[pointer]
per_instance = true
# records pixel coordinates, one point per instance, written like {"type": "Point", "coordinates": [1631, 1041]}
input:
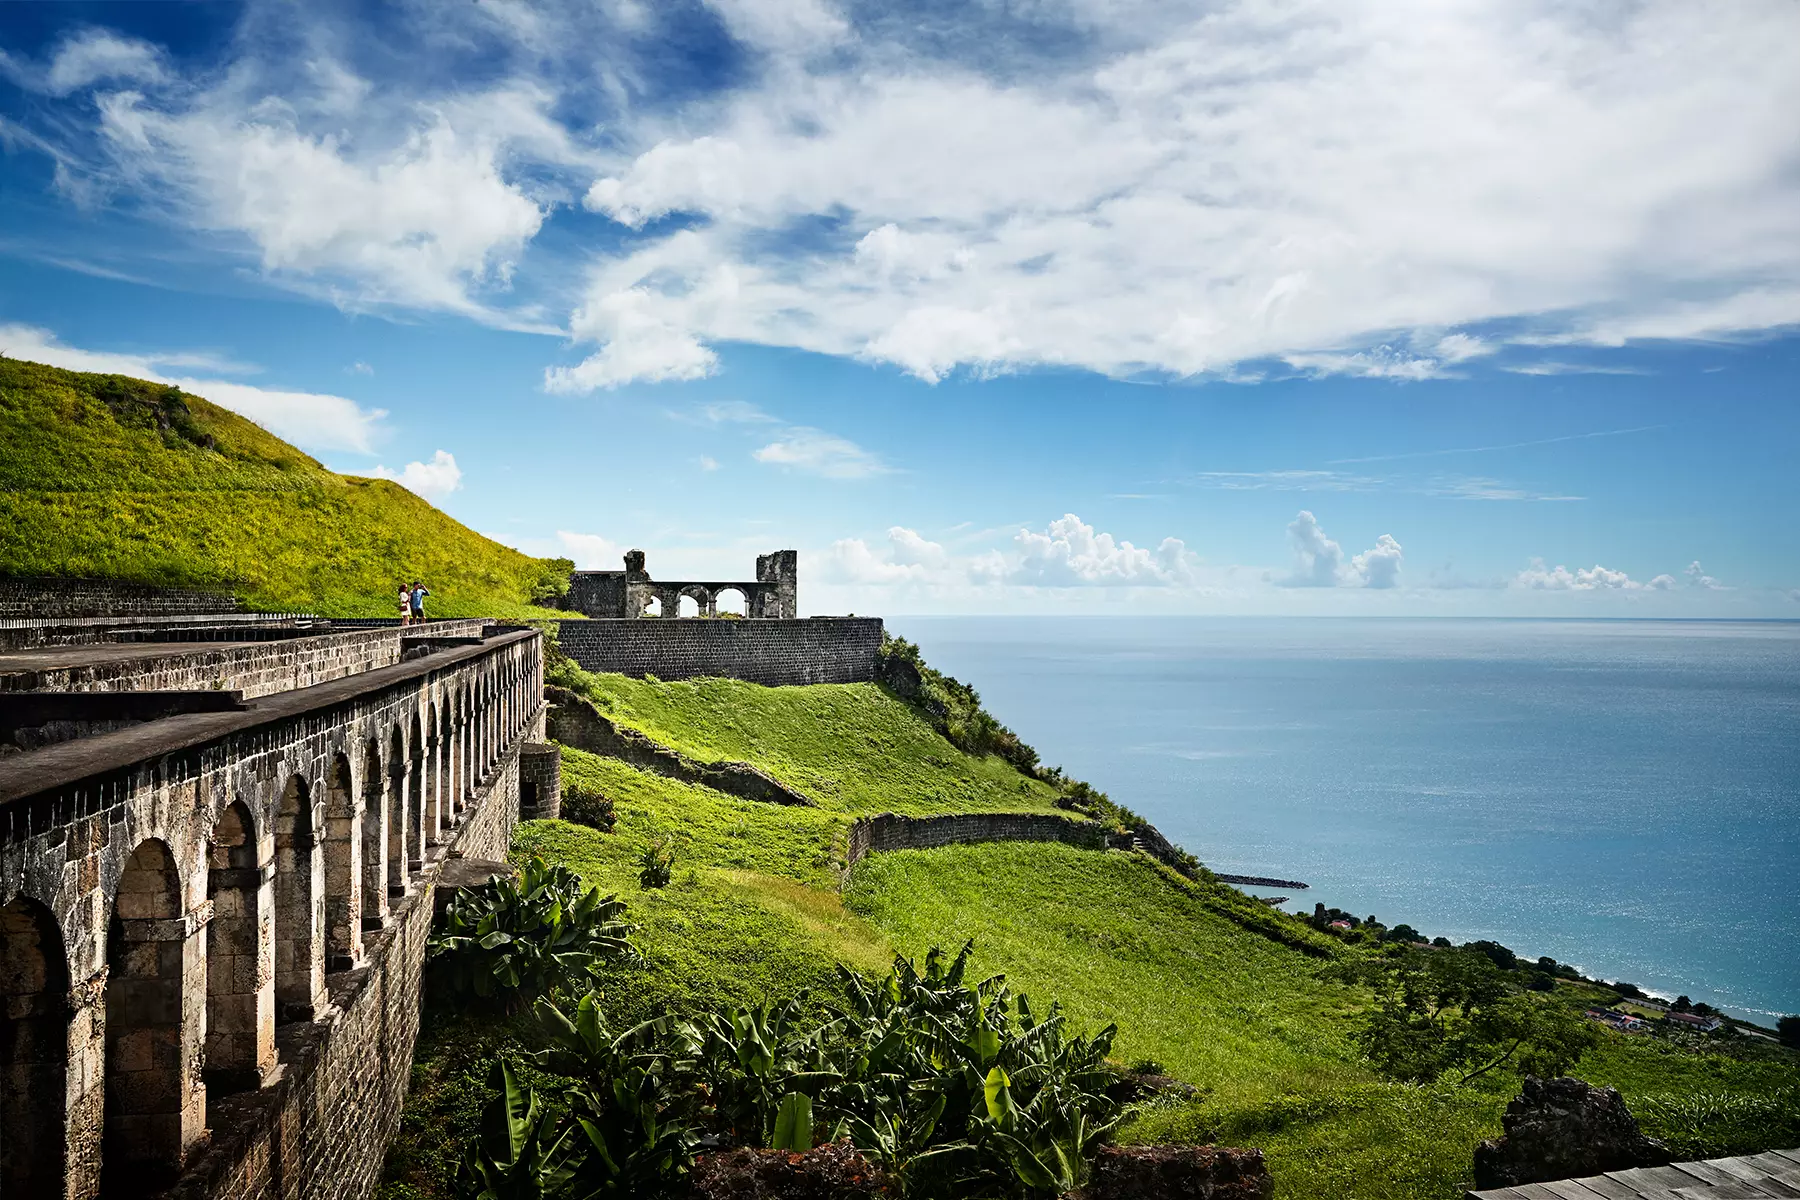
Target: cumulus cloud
{"type": "Point", "coordinates": [1538, 577]}
{"type": "Point", "coordinates": [311, 420]}
{"type": "Point", "coordinates": [591, 551]}
{"type": "Point", "coordinates": [1319, 561]}
{"type": "Point", "coordinates": [1067, 553]}
{"type": "Point", "coordinates": [1697, 577]}
{"type": "Point", "coordinates": [433, 480]}
{"type": "Point", "coordinates": [819, 453]}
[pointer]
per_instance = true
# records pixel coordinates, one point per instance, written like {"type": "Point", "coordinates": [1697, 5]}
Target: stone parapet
{"type": "Point", "coordinates": [806, 650]}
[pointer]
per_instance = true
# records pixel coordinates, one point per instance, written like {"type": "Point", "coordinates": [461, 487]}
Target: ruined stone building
{"type": "Point", "coordinates": [220, 837]}
{"type": "Point", "coordinates": [632, 593]}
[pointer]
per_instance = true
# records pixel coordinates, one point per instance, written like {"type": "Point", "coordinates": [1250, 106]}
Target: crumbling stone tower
{"type": "Point", "coordinates": [782, 568]}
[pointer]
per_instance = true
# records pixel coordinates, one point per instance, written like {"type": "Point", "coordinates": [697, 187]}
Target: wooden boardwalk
{"type": "Point", "coordinates": [1753, 1177]}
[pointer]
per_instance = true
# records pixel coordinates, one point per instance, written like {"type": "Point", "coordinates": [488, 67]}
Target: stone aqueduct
{"type": "Point", "coordinates": [213, 907]}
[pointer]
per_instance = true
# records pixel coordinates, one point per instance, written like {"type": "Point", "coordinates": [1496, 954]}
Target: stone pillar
{"type": "Point", "coordinates": [375, 849]}
{"type": "Point", "coordinates": [86, 1080]}
{"type": "Point", "coordinates": [299, 925]}
{"type": "Point", "coordinates": [434, 790]}
{"type": "Point", "coordinates": [343, 879]}
{"type": "Point", "coordinates": [398, 856]}
{"type": "Point", "coordinates": [416, 816]}
{"type": "Point", "coordinates": [156, 1024]}
{"type": "Point", "coordinates": [240, 977]}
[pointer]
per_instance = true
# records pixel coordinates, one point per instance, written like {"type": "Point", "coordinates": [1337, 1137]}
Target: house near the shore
{"type": "Point", "coordinates": [1622, 1021]}
{"type": "Point", "coordinates": [1695, 1021]}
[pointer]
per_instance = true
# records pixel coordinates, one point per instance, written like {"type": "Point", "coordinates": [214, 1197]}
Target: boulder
{"type": "Point", "coordinates": [1564, 1129]}
{"type": "Point", "coordinates": [1187, 1172]}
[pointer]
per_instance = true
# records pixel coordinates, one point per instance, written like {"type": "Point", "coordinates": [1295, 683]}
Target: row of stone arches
{"type": "Point", "coordinates": [695, 600]}
{"type": "Point", "coordinates": [105, 1078]}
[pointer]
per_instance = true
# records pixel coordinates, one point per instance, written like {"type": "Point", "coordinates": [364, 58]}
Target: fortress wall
{"type": "Point", "coordinates": [891, 831]}
{"type": "Point", "coordinates": [41, 598]}
{"type": "Point", "coordinates": [257, 669]}
{"type": "Point", "coordinates": [773, 652]}
{"type": "Point", "coordinates": [322, 1130]}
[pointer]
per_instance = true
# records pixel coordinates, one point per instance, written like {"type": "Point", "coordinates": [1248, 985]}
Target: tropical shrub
{"type": "Point", "coordinates": [511, 941]}
{"type": "Point", "coordinates": [656, 865]}
{"type": "Point", "coordinates": [584, 806]}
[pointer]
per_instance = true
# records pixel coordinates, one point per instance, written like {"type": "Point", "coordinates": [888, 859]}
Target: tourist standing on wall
{"type": "Point", "coordinates": [419, 592]}
{"type": "Point", "coordinates": [405, 605]}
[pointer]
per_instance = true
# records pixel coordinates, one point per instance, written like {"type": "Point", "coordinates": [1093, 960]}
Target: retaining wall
{"type": "Point", "coordinates": [892, 831]}
{"type": "Point", "coordinates": [773, 652]}
{"type": "Point", "coordinates": [98, 598]}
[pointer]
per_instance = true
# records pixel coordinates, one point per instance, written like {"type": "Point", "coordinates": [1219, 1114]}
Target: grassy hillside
{"type": "Point", "coordinates": [106, 477]}
{"type": "Point", "coordinates": [760, 908]}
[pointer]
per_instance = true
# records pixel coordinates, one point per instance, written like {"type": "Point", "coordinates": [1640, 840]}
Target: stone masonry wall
{"type": "Point", "coordinates": [540, 782]}
{"type": "Point", "coordinates": [89, 598]}
{"type": "Point", "coordinates": [891, 831]}
{"type": "Point", "coordinates": [773, 652]}
{"type": "Point", "coordinates": [256, 669]}
{"type": "Point", "coordinates": [321, 1131]}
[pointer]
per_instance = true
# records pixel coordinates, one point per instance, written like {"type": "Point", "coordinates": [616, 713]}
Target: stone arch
{"type": "Point", "coordinates": [415, 795]}
{"type": "Point", "coordinates": [650, 606]}
{"type": "Point", "coordinates": [435, 773]}
{"type": "Point", "coordinates": [398, 801]}
{"type": "Point", "coordinates": [299, 907]}
{"type": "Point", "coordinates": [374, 838]}
{"type": "Point", "coordinates": [34, 1051]}
{"type": "Point", "coordinates": [155, 1107]}
{"type": "Point", "coordinates": [738, 605]}
{"type": "Point", "coordinates": [240, 993]}
{"type": "Point", "coordinates": [693, 601]}
{"type": "Point", "coordinates": [343, 868]}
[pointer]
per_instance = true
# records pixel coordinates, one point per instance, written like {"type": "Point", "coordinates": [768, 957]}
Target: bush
{"type": "Point", "coordinates": [584, 806]}
{"type": "Point", "coordinates": [511, 942]}
{"type": "Point", "coordinates": [1789, 1030]}
{"type": "Point", "coordinates": [1720, 1124]}
{"type": "Point", "coordinates": [656, 865]}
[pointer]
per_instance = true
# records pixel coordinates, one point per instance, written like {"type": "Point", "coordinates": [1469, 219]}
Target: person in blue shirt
{"type": "Point", "coordinates": [419, 592]}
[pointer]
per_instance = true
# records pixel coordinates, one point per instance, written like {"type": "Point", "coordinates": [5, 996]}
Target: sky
{"type": "Point", "coordinates": [1061, 306]}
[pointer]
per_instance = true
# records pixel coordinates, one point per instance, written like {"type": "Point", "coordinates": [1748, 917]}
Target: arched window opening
{"type": "Point", "coordinates": [240, 998]}
{"type": "Point", "coordinates": [400, 798]}
{"type": "Point", "coordinates": [652, 607]}
{"type": "Point", "coordinates": [155, 1108]}
{"type": "Point", "coordinates": [343, 870]}
{"type": "Point", "coordinates": [415, 801]}
{"type": "Point", "coordinates": [34, 1051]}
{"type": "Point", "coordinates": [730, 602]}
{"type": "Point", "coordinates": [374, 839]}
{"type": "Point", "coordinates": [299, 908]}
{"type": "Point", "coordinates": [689, 606]}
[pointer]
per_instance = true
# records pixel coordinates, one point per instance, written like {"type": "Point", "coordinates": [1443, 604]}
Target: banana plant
{"type": "Point", "coordinates": [522, 1152]}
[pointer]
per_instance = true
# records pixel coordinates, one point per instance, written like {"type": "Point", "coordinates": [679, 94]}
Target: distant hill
{"type": "Point", "coordinates": [108, 477]}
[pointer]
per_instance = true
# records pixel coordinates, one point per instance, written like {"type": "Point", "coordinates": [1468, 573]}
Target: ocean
{"type": "Point", "coordinates": [1621, 795]}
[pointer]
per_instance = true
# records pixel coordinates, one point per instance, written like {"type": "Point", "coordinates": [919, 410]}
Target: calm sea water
{"type": "Point", "coordinates": [1622, 795]}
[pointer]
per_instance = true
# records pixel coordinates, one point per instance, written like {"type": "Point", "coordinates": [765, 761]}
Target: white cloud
{"type": "Point", "coordinates": [434, 480]}
{"type": "Point", "coordinates": [708, 463]}
{"type": "Point", "coordinates": [590, 551]}
{"type": "Point", "coordinates": [1379, 566]}
{"type": "Point", "coordinates": [1068, 553]}
{"type": "Point", "coordinates": [819, 453]}
{"type": "Point", "coordinates": [1538, 577]}
{"type": "Point", "coordinates": [1248, 181]}
{"type": "Point", "coordinates": [1699, 578]}
{"type": "Point", "coordinates": [85, 58]}
{"type": "Point", "coordinates": [360, 368]}
{"type": "Point", "coordinates": [311, 420]}
{"type": "Point", "coordinates": [1319, 561]}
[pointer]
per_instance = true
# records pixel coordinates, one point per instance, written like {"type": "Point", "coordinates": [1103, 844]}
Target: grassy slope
{"type": "Point", "coordinates": [754, 913]}
{"type": "Point", "coordinates": [851, 747]}
{"type": "Point", "coordinates": [106, 477]}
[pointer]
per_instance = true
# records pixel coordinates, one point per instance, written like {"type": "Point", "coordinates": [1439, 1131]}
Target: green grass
{"type": "Point", "coordinates": [105, 477]}
{"type": "Point", "coordinates": [850, 747]}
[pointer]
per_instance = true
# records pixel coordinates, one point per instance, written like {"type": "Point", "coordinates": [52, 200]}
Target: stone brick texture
{"type": "Point", "coordinates": [429, 749]}
{"type": "Point", "coordinates": [95, 598]}
{"type": "Point", "coordinates": [892, 831]}
{"type": "Point", "coordinates": [259, 668]}
{"type": "Point", "coordinates": [540, 782]}
{"type": "Point", "coordinates": [804, 650]}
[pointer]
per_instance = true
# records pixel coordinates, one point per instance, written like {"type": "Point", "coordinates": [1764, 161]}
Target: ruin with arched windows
{"type": "Point", "coordinates": [772, 596]}
{"type": "Point", "coordinates": [219, 847]}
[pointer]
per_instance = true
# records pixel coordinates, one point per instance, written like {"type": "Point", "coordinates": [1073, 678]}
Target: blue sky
{"type": "Point", "coordinates": [1063, 306]}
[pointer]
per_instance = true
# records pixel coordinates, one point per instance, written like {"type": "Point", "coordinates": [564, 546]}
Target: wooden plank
{"type": "Point", "coordinates": [1723, 1191]}
{"type": "Point", "coordinates": [1534, 1191]}
{"type": "Point", "coordinates": [1609, 1188]}
{"type": "Point", "coordinates": [1574, 1189]}
{"type": "Point", "coordinates": [1792, 1156]}
{"type": "Point", "coordinates": [1771, 1162]}
{"type": "Point", "coordinates": [1709, 1175]}
{"type": "Point", "coordinates": [1649, 1179]}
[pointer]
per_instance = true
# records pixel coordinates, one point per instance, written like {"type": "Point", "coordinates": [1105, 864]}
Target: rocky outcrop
{"type": "Point", "coordinates": [1564, 1129]}
{"type": "Point", "coordinates": [574, 721]}
{"type": "Point", "coordinates": [835, 1171]}
{"type": "Point", "coordinates": [1187, 1172]}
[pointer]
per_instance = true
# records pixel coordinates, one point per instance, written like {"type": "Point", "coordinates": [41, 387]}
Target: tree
{"type": "Point", "coordinates": [1456, 1013]}
{"type": "Point", "coordinates": [1403, 933]}
{"type": "Point", "coordinates": [1789, 1029]}
{"type": "Point", "coordinates": [1495, 953]}
{"type": "Point", "coordinates": [1682, 1004]}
